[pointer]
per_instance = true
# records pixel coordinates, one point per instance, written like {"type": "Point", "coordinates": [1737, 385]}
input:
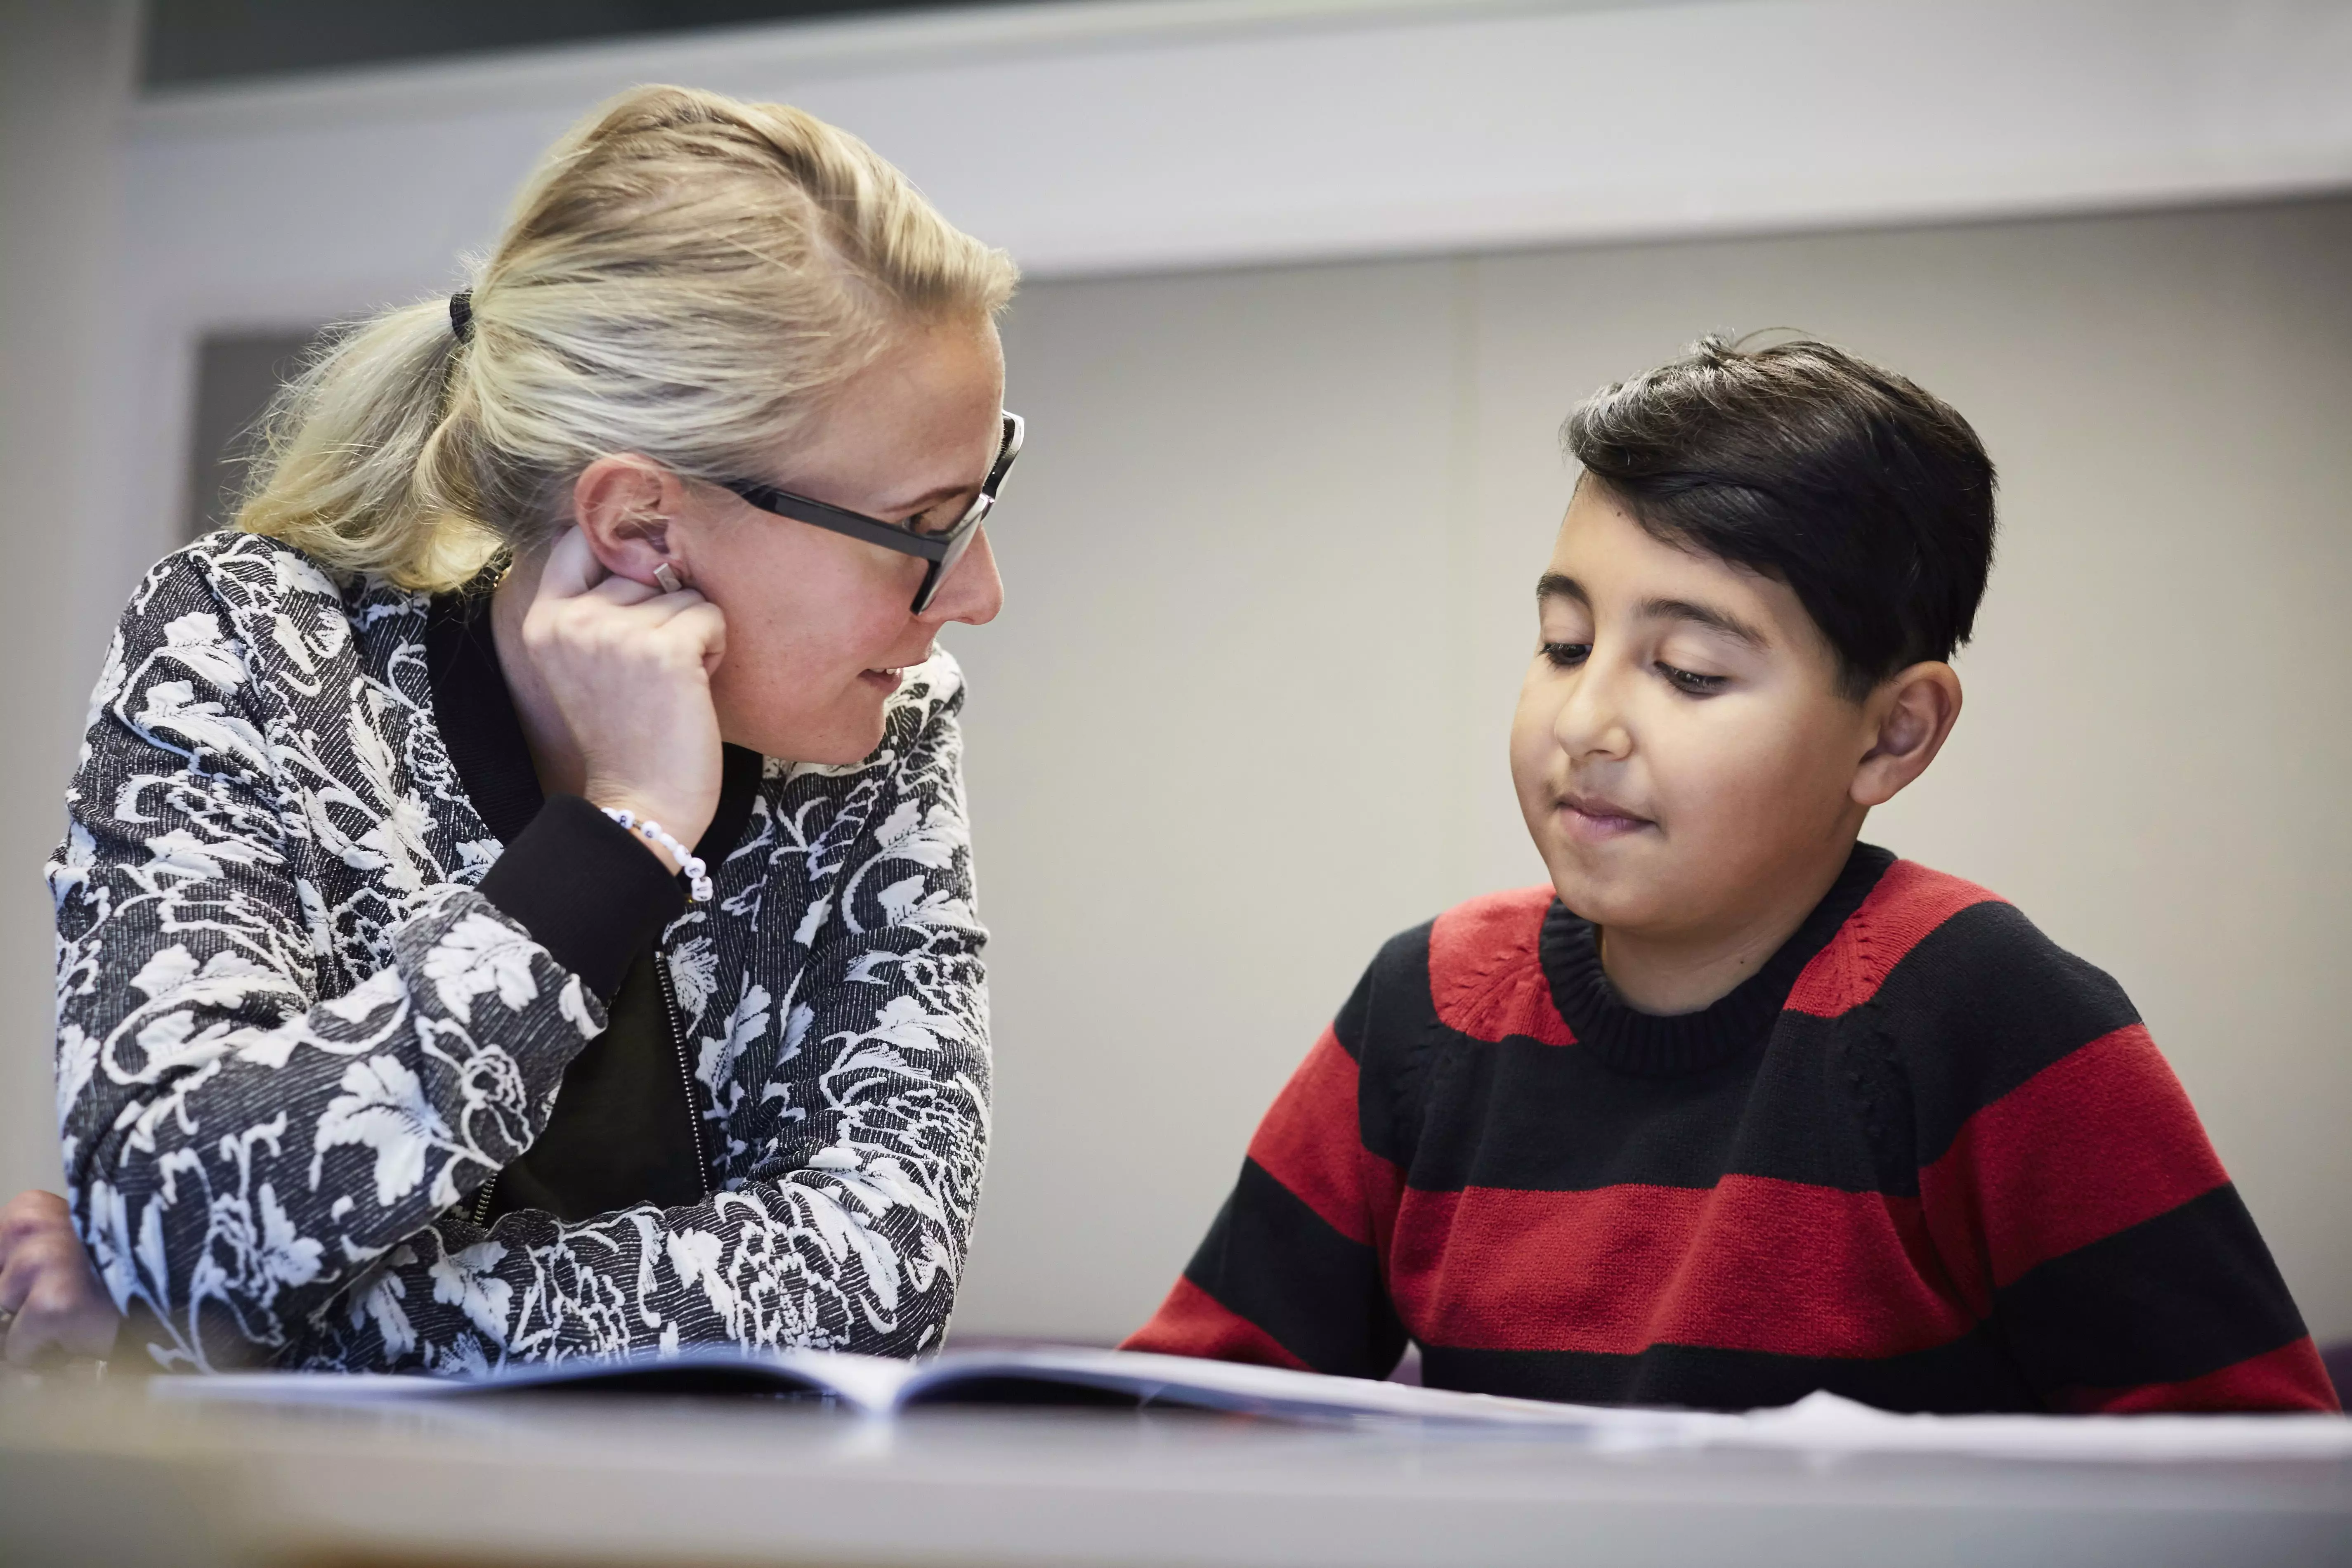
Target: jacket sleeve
{"type": "Point", "coordinates": [1290, 1272]}
{"type": "Point", "coordinates": [842, 1224]}
{"type": "Point", "coordinates": [2081, 1213]}
{"type": "Point", "coordinates": [245, 1133]}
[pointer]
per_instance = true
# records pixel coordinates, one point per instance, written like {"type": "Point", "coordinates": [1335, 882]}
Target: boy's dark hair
{"type": "Point", "coordinates": [1869, 498]}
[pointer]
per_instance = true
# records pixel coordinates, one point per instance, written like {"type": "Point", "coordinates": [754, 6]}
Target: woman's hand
{"type": "Point", "coordinates": [59, 1307]}
{"type": "Point", "coordinates": [629, 668]}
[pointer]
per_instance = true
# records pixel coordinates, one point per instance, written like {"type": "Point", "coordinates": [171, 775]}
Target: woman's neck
{"type": "Point", "coordinates": [553, 754]}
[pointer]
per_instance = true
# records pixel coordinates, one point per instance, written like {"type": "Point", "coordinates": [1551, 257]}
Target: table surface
{"type": "Point", "coordinates": [104, 1475]}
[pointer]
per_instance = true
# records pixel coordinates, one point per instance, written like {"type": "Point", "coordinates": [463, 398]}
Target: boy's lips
{"type": "Point", "coordinates": [1594, 819]}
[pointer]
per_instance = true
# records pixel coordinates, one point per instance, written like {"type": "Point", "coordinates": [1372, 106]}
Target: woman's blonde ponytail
{"type": "Point", "coordinates": [685, 276]}
{"type": "Point", "coordinates": [343, 473]}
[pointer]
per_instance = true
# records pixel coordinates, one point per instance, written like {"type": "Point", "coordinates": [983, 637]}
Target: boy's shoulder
{"type": "Point", "coordinates": [1964, 929]}
{"type": "Point", "coordinates": [1923, 937]}
{"type": "Point", "coordinates": [1959, 986]}
{"type": "Point", "coordinates": [1477, 969]}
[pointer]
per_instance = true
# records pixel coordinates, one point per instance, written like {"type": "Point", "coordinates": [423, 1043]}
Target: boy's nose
{"type": "Point", "coordinates": [1591, 720]}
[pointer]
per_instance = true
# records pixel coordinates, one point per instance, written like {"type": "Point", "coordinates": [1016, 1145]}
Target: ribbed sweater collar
{"type": "Point", "coordinates": [1662, 1047]}
{"type": "Point", "coordinates": [476, 711]}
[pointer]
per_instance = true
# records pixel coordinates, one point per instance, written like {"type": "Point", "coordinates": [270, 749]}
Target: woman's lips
{"type": "Point", "coordinates": [1599, 821]}
{"type": "Point", "coordinates": [888, 677]}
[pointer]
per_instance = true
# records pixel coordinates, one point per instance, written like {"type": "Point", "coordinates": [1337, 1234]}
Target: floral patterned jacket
{"type": "Point", "coordinates": [293, 1037]}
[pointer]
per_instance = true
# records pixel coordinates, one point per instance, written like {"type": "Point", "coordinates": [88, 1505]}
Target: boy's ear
{"type": "Point", "coordinates": [1909, 715]}
{"type": "Point", "coordinates": [623, 504]}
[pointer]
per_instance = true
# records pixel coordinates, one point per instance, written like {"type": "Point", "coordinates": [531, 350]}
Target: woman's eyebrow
{"type": "Point", "coordinates": [1706, 615]}
{"type": "Point", "coordinates": [931, 498]}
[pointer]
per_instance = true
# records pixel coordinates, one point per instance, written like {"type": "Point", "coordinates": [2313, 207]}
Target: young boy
{"type": "Point", "coordinates": [1739, 1108]}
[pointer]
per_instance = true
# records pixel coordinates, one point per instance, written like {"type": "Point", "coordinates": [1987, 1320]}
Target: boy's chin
{"type": "Point", "coordinates": [1606, 895]}
{"type": "Point", "coordinates": [1611, 914]}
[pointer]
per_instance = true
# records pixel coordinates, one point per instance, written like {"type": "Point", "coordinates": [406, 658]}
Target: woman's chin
{"type": "Point", "coordinates": [843, 740]}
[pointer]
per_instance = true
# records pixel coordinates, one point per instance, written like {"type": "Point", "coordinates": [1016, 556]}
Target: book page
{"type": "Point", "coordinates": [869, 1385]}
{"type": "Point", "coordinates": [1183, 1382]}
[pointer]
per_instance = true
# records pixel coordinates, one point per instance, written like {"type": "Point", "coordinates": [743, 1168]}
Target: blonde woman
{"type": "Point", "coordinates": [517, 901]}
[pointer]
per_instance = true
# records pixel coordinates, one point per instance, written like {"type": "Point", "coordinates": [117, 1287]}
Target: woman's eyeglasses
{"type": "Point", "coordinates": [941, 547]}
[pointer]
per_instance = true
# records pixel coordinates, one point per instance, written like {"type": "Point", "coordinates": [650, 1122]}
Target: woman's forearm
{"type": "Point", "coordinates": [237, 1174]}
{"type": "Point", "coordinates": [245, 1131]}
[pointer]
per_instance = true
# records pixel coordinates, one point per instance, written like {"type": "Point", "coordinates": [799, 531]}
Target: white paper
{"type": "Point", "coordinates": [1825, 1423]}
{"type": "Point", "coordinates": [1819, 1422]}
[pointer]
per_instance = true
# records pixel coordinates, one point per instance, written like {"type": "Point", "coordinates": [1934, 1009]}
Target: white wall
{"type": "Point", "coordinates": [1269, 562]}
{"type": "Point", "coordinates": [1140, 135]}
{"type": "Point", "coordinates": [65, 73]}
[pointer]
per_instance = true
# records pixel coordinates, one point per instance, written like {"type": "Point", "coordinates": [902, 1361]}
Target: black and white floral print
{"type": "Point", "coordinates": [292, 1038]}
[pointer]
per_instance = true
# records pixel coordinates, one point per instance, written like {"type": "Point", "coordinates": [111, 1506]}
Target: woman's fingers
{"type": "Point", "coordinates": [623, 590]}
{"type": "Point", "coordinates": [25, 1220]}
{"type": "Point", "coordinates": [667, 607]}
{"type": "Point", "coordinates": [45, 1281]}
{"type": "Point", "coordinates": [571, 567]}
{"type": "Point", "coordinates": [63, 1312]}
{"type": "Point", "coordinates": [706, 626]}
{"type": "Point", "coordinates": [27, 1215]}
{"type": "Point", "coordinates": [574, 572]}
{"type": "Point", "coordinates": [628, 667]}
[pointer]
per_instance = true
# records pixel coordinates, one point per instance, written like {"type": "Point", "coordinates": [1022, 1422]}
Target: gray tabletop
{"type": "Point", "coordinates": [106, 1476]}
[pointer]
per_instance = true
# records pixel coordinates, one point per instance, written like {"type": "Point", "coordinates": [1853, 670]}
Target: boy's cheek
{"type": "Point", "coordinates": [1534, 752]}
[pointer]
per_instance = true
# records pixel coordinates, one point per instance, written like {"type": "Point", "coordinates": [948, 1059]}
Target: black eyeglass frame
{"type": "Point", "coordinates": [943, 549]}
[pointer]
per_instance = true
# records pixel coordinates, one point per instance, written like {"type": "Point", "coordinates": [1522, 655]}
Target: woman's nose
{"type": "Point", "coordinates": [973, 593]}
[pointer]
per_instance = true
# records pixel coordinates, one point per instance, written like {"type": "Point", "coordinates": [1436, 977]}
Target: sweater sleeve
{"type": "Point", "coordinates": [585, 889]}
{"type": "Point", "coordinates": [2081, 1210]}
{"type": "Point", "coordinates": [1289, 1274]}
{"type": "Point", "coordinates": [237, 1149]}
{"type": "Point", "coordinates": [845, 1226]}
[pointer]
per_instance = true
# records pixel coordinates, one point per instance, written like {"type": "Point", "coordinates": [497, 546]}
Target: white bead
{"type": "Point", "coordinates": [690, 865]}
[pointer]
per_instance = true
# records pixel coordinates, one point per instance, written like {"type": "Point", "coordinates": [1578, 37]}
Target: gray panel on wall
{"type": "Point", "coordinates": [235, 375]}
{"type": "Point", "coordinates": [1205, 756]}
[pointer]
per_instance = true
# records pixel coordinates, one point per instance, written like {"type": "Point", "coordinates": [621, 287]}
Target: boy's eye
{"type": "Point", "coordinates": [1567, 654]}
{"type": "Point", "coordinates": [1691, 683]}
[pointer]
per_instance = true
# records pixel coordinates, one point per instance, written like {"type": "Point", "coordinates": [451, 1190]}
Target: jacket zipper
{"type": "Point", "coordinates": [684, 1071]}
{"type": "Point", "coordinates": [481, 1209]}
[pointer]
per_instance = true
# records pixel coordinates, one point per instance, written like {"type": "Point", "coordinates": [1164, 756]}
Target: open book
{"type": "Point", "coordinates": [872, 1386]}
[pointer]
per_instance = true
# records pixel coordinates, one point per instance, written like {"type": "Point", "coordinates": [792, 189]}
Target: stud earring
{"type": "Point", "coordinates": [667, 576]}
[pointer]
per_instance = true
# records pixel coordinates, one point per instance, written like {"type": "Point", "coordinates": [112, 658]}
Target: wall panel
{"type": "Point", "coordinates": [1204, 773]}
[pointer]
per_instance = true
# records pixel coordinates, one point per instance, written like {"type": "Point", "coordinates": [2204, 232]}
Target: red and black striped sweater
{"type": "Point", "coordinates": [1924, 1158]}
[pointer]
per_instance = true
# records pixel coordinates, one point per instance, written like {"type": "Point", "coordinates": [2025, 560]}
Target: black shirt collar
{"type": "Point", "coordinates": [476, 711]}
{"type": "Point", "coordinates": [1654, 1046]}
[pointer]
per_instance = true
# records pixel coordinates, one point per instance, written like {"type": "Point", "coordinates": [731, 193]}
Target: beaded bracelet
{"type": "Point", "coordinates": [698, 875]}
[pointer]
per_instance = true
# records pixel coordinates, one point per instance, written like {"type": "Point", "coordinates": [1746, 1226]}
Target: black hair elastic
{"type": "Point", "coordinates": [461, 315]}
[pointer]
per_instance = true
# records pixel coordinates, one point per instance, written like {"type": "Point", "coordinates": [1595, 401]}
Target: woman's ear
{"type": "Point", "coordinates": [623, 505]}
{"type": "Point", "coordinates": [1908, 717]}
